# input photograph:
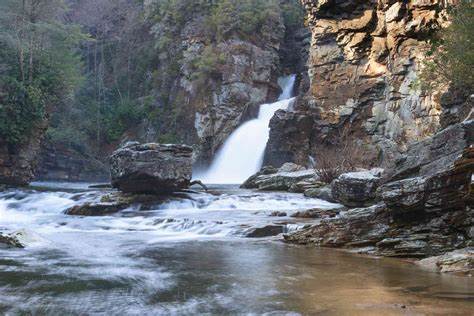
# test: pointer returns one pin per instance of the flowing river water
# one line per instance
(189, 255)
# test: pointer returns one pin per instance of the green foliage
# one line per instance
(120, 118)
(293, 14)
(451, 58)
(43, 65)
(22, 108)
(241, 17)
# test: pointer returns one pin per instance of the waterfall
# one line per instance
(242, 153)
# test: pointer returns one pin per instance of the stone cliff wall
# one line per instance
(362, 72)
(208, 111)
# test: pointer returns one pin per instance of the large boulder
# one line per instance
(151, 168)
(356, 189)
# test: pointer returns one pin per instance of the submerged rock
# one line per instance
(96, 209)
(266, 231)
(151, 168)
(114, 202)
(278, 214)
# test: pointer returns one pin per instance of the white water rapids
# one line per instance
(242, 153)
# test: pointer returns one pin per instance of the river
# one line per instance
(189, 255)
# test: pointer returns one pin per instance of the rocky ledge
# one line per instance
(422, 208)
(289, 177)
(151, 168)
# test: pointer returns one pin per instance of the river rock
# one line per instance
(270, 179)
(151, 168)
(322, 193)
(95, 209)
(303, 186)
(359, 227)
(318, 213)
(266, 231)
(11, 241)
(356, 189)
(459, 261)
(113, 202)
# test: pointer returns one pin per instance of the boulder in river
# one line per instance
(151, 168)
(10, 241)
(265, 231)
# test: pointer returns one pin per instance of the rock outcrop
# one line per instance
(151, 168)
(426, 205)
(289, 176)
(362, 71)
(458, 261)
(356, 189)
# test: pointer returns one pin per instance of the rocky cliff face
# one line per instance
(244, 78)
(363, 63)
(424, 208)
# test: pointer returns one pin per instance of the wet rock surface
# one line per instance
(266, 231)
(113, 202)
(151, 168)
(10, 240)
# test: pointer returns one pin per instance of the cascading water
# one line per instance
(242, 154)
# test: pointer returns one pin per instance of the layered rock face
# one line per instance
(363, 60)
(151, 168)
(425, 208)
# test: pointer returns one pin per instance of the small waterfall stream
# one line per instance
(242, 153)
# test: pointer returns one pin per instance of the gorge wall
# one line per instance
(362, 77)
